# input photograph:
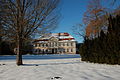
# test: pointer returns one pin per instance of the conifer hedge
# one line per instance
(106, 47)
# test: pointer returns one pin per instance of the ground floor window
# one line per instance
(71, 50)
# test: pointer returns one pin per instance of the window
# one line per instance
(59, 44)
(71, 50)
(55, 44)
(63, 50)
(46, 45)
(67, 44)
(42, 45)
(39, 50)
(67, 50)
(39, 45)
(47, 50)
(35, 50)
(35, 45)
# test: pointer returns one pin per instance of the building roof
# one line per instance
(59, 36)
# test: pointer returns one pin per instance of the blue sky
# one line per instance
(71, 14)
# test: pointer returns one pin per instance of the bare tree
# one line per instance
(95, 17)
(79, 30)
(27, 17)
(113, 2)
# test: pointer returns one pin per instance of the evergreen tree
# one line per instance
(104, 48)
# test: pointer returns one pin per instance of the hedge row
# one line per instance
(106, 47)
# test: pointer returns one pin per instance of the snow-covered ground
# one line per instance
(46, 67)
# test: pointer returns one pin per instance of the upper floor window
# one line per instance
(39, 45)
(35, 45)
(67, 44)
(46, 45)
(42, 45)
(59, 44)
(55, 44)
(49, 44)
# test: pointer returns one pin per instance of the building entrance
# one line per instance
(54, 51)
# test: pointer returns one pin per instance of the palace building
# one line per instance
(55, 43)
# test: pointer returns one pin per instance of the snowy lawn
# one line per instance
(47, 67)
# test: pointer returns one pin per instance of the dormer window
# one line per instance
(54, 39)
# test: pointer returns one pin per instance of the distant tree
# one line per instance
(94, 11)
(27, 17)
(113, 2)
(79, 30)
(94, 17)
(2, 7)
(5, 48)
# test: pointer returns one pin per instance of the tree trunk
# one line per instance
(0, 45)
(0, 36)
(19, 53)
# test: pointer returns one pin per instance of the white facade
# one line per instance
(55, 43)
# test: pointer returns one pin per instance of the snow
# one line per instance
(56, 35)
(47, 67)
